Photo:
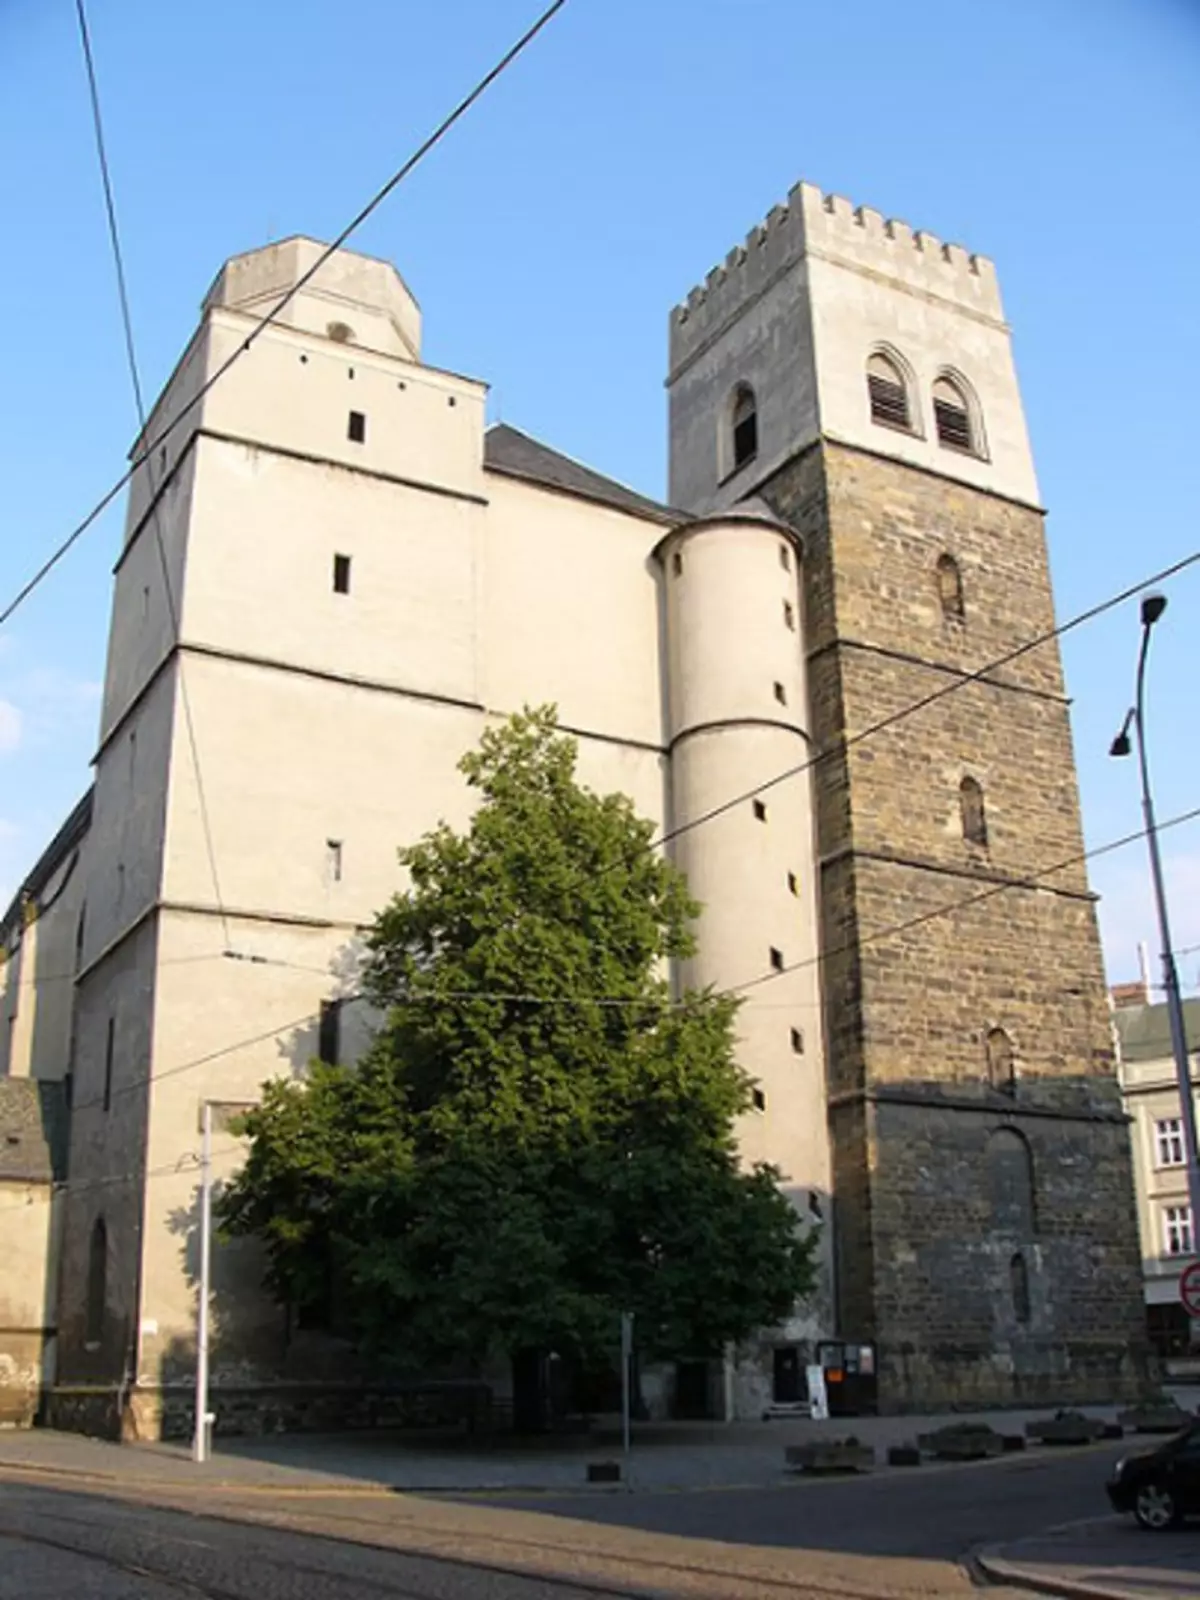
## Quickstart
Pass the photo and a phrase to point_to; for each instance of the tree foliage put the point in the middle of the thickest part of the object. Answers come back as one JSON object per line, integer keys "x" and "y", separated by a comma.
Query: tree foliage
{"x": 538, "y": 1138}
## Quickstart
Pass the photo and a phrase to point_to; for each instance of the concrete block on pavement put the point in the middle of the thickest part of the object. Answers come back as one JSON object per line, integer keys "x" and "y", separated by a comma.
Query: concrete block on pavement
{"x": 1065, "y": 1427}
{"x": 829, "y": 1455}
{"x": 962, "y": 1441}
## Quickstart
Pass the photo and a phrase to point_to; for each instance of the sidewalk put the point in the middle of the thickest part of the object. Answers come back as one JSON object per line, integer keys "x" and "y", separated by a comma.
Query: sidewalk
{"x": 675, "y": 1457}
{"x": 1109, "y": 1558}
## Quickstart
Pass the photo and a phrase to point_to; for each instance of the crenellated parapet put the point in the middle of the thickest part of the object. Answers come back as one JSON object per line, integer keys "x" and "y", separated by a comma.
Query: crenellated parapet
{"x": 830, "y": 227}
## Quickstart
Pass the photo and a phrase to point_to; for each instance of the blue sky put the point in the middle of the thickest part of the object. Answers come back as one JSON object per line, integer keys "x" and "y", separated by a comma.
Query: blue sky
{"x": 549, "y": 236}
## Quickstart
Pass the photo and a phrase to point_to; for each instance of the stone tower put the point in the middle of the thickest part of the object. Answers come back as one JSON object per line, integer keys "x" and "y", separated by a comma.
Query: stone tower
{"x": 858, "y": 379}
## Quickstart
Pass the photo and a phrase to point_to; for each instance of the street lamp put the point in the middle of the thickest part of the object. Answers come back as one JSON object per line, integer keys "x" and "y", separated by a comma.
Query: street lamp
{"x": 1153, "y": 606}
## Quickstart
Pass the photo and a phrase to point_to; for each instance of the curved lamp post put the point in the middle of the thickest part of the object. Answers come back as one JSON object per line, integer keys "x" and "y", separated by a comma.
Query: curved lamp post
{"x": 1153, "y": 606}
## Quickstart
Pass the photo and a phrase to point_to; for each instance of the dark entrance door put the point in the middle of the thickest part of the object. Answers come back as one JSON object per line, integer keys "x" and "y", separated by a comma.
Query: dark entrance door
{"x": 691, "y": 1390}
{"x": 791, "y": 1386}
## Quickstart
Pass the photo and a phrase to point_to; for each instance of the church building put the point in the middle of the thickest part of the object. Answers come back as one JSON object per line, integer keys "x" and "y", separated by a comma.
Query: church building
{"x": 335, "y": 576}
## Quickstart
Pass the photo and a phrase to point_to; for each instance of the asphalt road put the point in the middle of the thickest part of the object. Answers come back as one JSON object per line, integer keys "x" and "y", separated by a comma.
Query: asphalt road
{"x": 57, "y": 1545}
{"x": 936, "y": 1513}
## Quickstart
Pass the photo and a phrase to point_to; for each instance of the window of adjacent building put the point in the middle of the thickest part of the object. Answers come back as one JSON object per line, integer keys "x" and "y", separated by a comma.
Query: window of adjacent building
{"x": 781, "y": 694}
{"x": 341, "y": 574}
{"x": 950, "y": 589}
{"x": 1001, "y": 1061}
{"x": 356, "y": 432}
{"x": 329, "y": 1032}
{"x": 1010, "y": 1183}
{"x": 1177, "y": 1230}
{"x": 333, "y": 860}
{"x": 776, "y": 959}
{"x": 760, "y": 811}
{"x": 952, "y": 416}
{"x": 109, "y": 1042}
{"x": 744, "y": 422}
{"x": 789, "y": 615}
{"x": 97, "y": 1283}
{"x": 971, "y": 807}
{"x": 888, "y": 393}
{"x": 1168, "y": 1142}
{"x": 1018, "y": 1273}
{"x": 797, "y": 1041}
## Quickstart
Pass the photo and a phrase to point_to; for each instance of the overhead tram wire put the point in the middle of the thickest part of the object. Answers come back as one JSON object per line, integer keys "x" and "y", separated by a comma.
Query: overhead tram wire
{"x": 177, "y": 1166}
{"x": 372, "y": 205}
{"x": 114, "y": 237}
{"x": 1030, "y": 881}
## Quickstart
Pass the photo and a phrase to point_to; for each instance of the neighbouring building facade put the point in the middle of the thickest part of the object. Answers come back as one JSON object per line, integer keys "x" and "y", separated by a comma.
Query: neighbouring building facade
{"x": 334, "y": 575}
{"x": 1150, "y": 1087}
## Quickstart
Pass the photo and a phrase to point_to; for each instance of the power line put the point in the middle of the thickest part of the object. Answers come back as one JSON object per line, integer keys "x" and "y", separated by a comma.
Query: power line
{"x": 380, "y": 195}
{"x": 114, "y": 237}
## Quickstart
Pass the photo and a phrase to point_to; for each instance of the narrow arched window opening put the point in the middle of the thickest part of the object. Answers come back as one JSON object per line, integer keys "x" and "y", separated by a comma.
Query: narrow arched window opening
{"x": 97, "y": 1283}
{"x": 1010, "y": 1182}
{"x": 80, "y": 928}
{"x": 1018, "y": 1273}
{"x": 952, "y": 416}
{"x": 950, "y": 588}
{"x": 974, "y": 817}
{"x": 1001, "y": 1061}
{"x": 744, "y": 421}
{"x": 888, "y": 393}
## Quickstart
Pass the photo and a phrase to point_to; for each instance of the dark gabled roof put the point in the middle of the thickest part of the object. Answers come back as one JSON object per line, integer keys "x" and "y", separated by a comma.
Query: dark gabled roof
{"x": 510, "y": 451}
{"x": 48, "y": 863}
{"x": 1145, "y": 1031}
{"x": 33, "y": 1130}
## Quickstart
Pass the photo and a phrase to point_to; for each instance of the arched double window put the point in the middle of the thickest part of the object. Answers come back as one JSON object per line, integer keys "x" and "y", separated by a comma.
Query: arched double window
{"x": 888, "y": 393}
{"x": 97, "y": 1283}
{"x": 950, "y": 589}
{"x": 743, "y": 423}
{"x": 952, "y": 416}
{"x": 971, "y": 808}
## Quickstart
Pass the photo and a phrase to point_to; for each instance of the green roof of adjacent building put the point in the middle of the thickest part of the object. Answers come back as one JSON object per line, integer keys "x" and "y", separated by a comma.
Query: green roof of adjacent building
{"x": 1145, "y": 1031}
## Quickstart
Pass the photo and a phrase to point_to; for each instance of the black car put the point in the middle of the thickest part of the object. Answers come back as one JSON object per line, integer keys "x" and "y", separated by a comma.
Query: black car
{"x": 1160, "y": 1486}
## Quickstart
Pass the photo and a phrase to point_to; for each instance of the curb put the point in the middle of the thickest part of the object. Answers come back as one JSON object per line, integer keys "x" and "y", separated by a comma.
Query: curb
{"x": 989, "y": 1564}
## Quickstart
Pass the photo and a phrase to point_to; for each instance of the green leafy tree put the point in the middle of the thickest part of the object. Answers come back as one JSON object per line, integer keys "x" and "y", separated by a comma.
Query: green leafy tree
{"x": 538, "y": 1138}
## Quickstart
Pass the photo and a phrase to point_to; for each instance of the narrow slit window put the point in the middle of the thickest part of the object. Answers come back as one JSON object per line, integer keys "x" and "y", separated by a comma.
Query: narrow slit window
{"x": 789, "y": 616}
{"x": 109, "y": 1042}
{"x": 974, "y": 814}
{"x": 797, "y": 1041}
{"x": 96, "y": 1293}
{"x": 333, "y": 859}
{"x": 329, "y": 1032}
{"x": 793, "y": 883}
{"x": 341, "y": 574}
{"x": 888, "y": 393}
{"x": 776, "y": 960}
{"x": 760, "y": 811}
{"x": 357, "y": 429}
{"x": 759, "y": 1099}
{"x": 677, "y": 564}
{"x": 780, "y": 694}
{"x": 950, "y": 588}
{"x": 785, "y": 558}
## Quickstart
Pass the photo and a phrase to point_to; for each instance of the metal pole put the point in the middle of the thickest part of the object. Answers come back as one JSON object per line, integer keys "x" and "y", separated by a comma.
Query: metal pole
{"x": 626, "y": 1360}
{"x": 200, "y": 1438}
{"x": 1179, "y": 1048}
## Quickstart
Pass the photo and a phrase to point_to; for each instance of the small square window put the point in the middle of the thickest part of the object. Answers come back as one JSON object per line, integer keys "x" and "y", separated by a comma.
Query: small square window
{"x": 760, "y": 811}
{"x": 759, "y": 1099}
{"x": 781, "y": 694}
{"x": 776, "y": 959}
{"x": 797, "y": 1041}
{"x": 333, "y": 859}
{"x": 357, "y": 431}
{"x": 793, "y": 883}
{"x": 341, "y": 574}
{"x": 789, "y": 615}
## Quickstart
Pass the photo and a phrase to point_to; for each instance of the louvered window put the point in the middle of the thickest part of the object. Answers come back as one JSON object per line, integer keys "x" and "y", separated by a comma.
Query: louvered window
{"x": 889, "y": 396}
{"x": 952, "y": 416}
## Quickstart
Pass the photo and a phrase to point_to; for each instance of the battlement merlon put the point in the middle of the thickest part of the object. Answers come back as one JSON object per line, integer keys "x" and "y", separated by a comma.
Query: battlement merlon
{"x": 829, "y": 226}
